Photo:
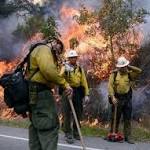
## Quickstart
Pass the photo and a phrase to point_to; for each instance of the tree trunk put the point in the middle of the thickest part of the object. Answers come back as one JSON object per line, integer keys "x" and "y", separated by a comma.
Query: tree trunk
{"x": 112, "y": 52}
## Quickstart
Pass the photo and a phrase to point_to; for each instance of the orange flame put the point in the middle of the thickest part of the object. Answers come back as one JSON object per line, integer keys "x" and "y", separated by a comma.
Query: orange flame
{"x": 94, "y": 48}
{"x": 6, "y": 67}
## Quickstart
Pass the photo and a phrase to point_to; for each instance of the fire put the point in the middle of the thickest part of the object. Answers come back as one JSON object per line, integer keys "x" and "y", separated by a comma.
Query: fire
{"x": 6, "y": 67}
{"x": 73, "y": 29}
{"x": 94, "y": 49}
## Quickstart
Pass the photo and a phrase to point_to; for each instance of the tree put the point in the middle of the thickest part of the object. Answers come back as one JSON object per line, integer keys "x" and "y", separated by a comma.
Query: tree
{"x": 116, "y": 19}
{"x": 37, "y": 24}
{"x": 49, "y": 28}
{"x": 32, "y": 25}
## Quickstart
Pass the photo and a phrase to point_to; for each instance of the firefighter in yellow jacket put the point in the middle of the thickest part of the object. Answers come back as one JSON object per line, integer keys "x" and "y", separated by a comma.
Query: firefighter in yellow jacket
{"x": 43, "y": 74}
{"x": 75, "y": 76}
{"x": 120, "y": 91}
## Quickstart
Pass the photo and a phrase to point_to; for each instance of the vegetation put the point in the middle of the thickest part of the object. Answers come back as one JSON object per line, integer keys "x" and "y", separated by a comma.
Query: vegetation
{"x": 35, "y": 24}
{"x": 49, "y": 28}
{"x": 116, "y": 21}
{"x": 32, "y": 25}
{"x": 34, "y": 19}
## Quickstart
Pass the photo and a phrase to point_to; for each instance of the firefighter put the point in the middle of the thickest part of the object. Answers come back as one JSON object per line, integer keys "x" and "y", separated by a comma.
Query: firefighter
{"x": 75, "y": 76}
{"x": 120, "y": 91}
{"x": 43, "y": 74}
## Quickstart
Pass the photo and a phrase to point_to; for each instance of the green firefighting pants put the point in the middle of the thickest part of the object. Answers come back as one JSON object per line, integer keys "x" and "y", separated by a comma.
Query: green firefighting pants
{"x": 124, "y": 108}
{"x": 43, "y": 130}
{"x": 67, "y": 112}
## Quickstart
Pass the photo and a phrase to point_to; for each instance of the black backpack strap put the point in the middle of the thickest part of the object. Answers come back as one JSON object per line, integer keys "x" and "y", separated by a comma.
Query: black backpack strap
{"x": 26, "y": 59}
{"x": 129, "y": 76}
{"x": 115, "y": 75}
{"x": 80, "y": 69}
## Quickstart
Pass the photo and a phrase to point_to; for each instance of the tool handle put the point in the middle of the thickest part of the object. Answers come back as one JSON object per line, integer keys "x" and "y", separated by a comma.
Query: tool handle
{"x": 115, "y": 117}
{"x": 77, "y": 123}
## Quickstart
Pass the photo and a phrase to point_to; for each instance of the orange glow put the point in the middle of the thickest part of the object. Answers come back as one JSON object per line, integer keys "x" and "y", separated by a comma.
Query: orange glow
{"x": 6, "y": 67}
{"x": 95, "y": 48}
{"x": 94, "y": 51}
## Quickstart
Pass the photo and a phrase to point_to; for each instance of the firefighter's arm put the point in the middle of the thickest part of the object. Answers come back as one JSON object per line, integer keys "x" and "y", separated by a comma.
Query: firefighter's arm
{"x": 48, "y": 68}
{"x": 111, "y": 91}
{"x": 62, "y": 71}
{"x": 134, "y": 71}
{"x": 111, "y": 85}
{"x": 84, "y": 83}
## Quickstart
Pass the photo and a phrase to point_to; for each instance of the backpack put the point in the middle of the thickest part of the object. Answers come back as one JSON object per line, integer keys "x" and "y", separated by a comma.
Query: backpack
{"x": 16, "y": 94}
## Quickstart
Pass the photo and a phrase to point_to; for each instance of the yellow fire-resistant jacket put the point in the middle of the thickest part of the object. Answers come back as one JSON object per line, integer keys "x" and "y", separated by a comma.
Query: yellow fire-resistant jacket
{"x": 76, "y": 78}
{"x": 41, "y": 59}
{"x": 122, "y": 82}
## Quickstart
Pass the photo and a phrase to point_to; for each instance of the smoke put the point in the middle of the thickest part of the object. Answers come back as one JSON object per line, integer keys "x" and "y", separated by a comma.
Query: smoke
{"x": 99, "y": 102}
{"x": 141, "y": 102}
{"x": 145, "y": 26}
{"x": 58, "y": 5}
{"x": 9, "y": 47}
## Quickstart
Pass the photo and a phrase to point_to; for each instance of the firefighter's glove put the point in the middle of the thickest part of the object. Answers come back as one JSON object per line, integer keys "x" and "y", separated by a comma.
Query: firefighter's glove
{"x": 69, "y": 92}
{"x": 114, "y": 100}
{"x": 86, "y": 99}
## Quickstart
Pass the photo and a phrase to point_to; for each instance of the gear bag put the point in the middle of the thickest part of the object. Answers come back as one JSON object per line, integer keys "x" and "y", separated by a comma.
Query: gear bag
{"x": 16, "y": 93}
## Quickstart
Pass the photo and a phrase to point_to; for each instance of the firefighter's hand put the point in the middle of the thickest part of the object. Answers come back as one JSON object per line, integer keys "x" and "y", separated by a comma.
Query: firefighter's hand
{"x": 114, "y": 100}
{"x": 69, "y": 91}
{"x": 86, "y": 99}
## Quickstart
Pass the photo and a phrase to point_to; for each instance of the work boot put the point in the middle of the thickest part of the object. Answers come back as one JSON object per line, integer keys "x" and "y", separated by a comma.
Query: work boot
{"x": 69, "y": 138}
{"x": 76, "y": 136}
{"x": 129, "y": 140}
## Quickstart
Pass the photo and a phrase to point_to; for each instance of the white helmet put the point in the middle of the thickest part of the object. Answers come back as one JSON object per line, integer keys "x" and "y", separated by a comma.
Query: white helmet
{"x": 122, "y": 62}
{"x": 72, "y": 53}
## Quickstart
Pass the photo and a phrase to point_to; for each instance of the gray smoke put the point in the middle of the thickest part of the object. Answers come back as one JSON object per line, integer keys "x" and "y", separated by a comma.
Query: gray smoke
{"x": 140, "y": 101}
{"x": 145, "y": 26}
{"x": 9, "y": 46}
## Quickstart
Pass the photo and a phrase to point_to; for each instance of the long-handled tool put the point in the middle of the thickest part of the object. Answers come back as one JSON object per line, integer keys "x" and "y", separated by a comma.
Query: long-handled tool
{"x": 115, "y": 137}
{"x": 77, "y": 123}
